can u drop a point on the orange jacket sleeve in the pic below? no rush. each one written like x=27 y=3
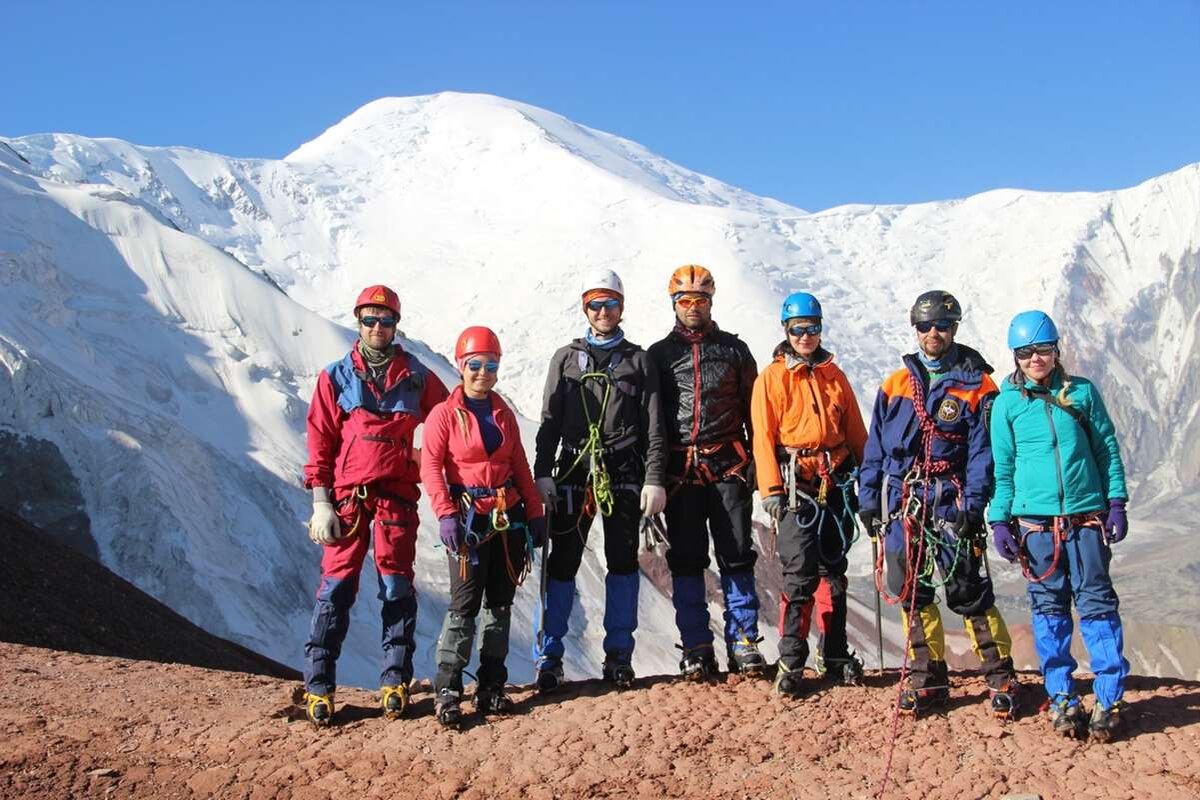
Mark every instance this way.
x=766 y=430
x=856 y=430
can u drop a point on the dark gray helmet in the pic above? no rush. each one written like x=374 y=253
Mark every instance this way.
x=935 y=305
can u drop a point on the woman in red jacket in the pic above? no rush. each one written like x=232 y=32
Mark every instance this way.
x=480 y=485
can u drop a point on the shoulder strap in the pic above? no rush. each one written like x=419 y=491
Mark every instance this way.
x=1077 y=415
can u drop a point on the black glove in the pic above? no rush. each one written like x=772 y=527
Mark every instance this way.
x=537 y=531
x=968 y=524
x=871 y=521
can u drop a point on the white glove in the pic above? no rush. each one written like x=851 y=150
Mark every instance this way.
x=654 y=500
x=324 y=527
x=548 y=491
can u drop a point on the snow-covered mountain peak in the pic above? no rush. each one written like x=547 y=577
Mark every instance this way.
x=480 y=133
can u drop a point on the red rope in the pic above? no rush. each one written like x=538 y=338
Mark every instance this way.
x=928 y=466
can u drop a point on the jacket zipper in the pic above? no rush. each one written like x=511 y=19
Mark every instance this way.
x=695 y=391
x=1057 y=461
x=816 y=402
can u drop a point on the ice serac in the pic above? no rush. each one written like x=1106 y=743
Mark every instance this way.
x=172 y=308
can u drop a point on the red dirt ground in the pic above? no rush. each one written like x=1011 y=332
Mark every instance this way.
x=86 y=720
x=92 y=726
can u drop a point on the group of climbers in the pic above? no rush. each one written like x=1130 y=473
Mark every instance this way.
x=689 y=429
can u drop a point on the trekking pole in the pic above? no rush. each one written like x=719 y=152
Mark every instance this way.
x=878 y=607
x=540 y=631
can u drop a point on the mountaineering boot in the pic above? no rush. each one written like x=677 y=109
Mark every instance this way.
x=319 y=709
x=489 y=691
x=1104 y=722
x=549 y=675
x=493 y=700
x=393 y=699
x=1067 y=717
x=617 y=670
x=1003 y=701
x=698 y=663
x=745 y=658
x=933 y=691
x=917 y=701
x=789 y=682
x=846 y=671
x=448 y=709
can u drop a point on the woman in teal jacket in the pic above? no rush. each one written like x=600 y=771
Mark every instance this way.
x=1058 y=503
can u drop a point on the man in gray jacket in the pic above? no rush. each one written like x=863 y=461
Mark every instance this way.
x=602 y=406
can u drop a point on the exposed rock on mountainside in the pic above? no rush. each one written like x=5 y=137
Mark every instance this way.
x=56 y=597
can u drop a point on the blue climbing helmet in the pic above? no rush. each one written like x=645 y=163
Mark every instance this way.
x=800 y=304
x=1031 y=327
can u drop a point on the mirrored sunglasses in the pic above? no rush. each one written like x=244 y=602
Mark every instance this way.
x=803 y=330
x=1025 y=353
x=606 y=302
x=372 y=321
x=694 y=301
x=942 y=325
x=476 y=364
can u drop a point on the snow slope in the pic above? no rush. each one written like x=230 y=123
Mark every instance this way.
x=186 y=273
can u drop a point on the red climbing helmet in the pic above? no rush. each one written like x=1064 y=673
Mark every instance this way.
x=378 y=295
x=476 y=339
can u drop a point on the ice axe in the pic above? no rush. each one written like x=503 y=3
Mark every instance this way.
x=875 y=580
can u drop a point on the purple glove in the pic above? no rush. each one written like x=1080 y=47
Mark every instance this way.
x=450 y=530
x=1116 y=524
x=537 y=531
x=1006 y=543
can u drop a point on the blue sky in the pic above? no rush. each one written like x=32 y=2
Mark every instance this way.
x=814 y=104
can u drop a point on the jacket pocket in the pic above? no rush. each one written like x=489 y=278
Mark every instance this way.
x=378 y=448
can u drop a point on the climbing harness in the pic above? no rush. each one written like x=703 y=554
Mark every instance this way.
x=356 y=498
x=498 y=523
x=359 y=498
x=600 y=495
x=697 y=469
x=812 y=510
x=1058 y=527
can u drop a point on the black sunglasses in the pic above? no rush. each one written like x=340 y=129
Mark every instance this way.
x=801 y=330
x=609 y=302
x=372 y=321
x=942 y=325
x=1025 y=353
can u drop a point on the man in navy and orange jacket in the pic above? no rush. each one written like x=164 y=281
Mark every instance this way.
x=925 y=480
x=363 y=473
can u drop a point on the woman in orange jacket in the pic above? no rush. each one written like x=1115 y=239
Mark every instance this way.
x=475 y=470
x=808 y=438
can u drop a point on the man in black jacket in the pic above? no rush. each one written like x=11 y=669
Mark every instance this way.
x=602 y=405
x=707 y=377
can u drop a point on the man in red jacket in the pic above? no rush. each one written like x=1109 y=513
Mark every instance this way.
x=363 y=474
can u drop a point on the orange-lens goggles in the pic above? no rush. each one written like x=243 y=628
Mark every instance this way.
x=694 y=300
